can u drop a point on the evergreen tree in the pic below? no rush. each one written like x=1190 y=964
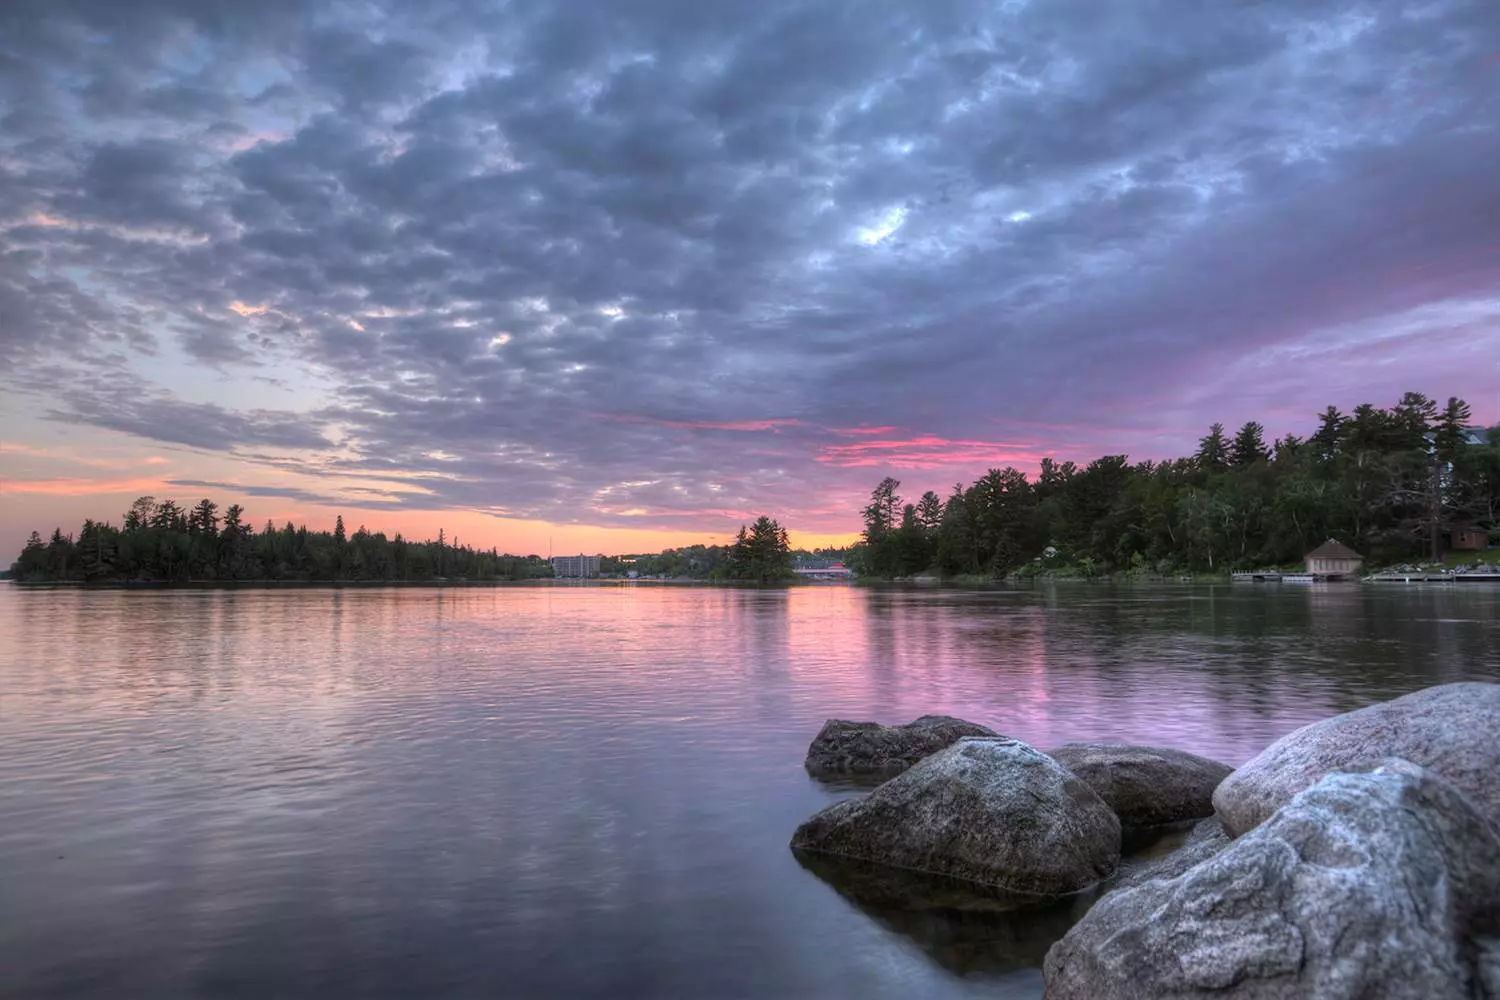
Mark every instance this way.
x=930 y=512
x=1249 y=446
x=1450 y=428
x=1329 y=434
x=761 y=554
x=880 y=526
x=1213 y=450
x=205 y=518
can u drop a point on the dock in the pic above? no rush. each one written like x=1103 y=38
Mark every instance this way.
x=1277 y=576
x=1429 y=577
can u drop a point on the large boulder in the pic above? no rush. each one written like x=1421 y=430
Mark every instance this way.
x=1450 y=729
x=868 y=748
x=1147 y=787
x=1378 y=886
x=989 y=810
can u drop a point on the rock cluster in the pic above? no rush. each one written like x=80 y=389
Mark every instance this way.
x=1365 y=866
x=1355 y=859
x=1363 y=887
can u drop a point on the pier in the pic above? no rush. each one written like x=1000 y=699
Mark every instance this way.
x=1430 y=577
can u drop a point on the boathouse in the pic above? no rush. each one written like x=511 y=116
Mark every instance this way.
x=1334 y=559
x=1469 y=539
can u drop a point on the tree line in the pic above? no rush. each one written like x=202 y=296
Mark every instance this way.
x=1393 y=483
x=161 y=542
x=760 y=553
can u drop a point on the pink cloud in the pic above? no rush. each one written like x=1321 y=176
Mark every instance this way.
x=927 y=452
x=81 y=487
x=770 y=424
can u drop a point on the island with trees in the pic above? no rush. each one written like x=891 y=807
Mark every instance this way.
x=760 y=553
x=161 y=542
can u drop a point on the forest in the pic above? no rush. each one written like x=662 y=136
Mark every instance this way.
x=1392 y=483
x=161 y=542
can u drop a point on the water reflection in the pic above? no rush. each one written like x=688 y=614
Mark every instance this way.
x=586 y=791
x=964 y=928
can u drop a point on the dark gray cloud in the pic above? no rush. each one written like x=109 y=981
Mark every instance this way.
x=109 y=396
x=349 y=497
x=663 y=262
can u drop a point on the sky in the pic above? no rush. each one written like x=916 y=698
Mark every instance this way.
x=611 y=276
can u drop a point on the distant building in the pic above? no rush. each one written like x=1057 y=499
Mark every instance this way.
x=1334 y=559
x=822 y=569
x=1470 y=539
x=575 y=567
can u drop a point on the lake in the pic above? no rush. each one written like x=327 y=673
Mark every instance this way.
x=581 y=791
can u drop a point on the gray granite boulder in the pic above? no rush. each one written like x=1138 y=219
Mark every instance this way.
x=1147 y=787
x=1450 y=729
x=853 y=748
x=992 y=811
x=1378 y=886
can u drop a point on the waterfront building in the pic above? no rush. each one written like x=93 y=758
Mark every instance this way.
x=579 y=567
x=1334 y=558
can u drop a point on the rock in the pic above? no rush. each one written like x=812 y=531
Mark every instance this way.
x=1147 y=787
x=1375 y=886
x=1487 y=959
x=989 y=810
x=1450 y=729
x=844 y=747
x=1205 y=841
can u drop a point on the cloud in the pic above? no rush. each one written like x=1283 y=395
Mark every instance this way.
x=349 y=497
x=113 y=400
x=682 y=262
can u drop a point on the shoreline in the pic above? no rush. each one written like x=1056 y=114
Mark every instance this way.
x=952 y=583
x=395 y=584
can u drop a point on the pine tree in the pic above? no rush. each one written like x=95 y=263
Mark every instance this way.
x=168 y=517
x=1213 y=450
x=1329 y=433
x=880 y=525
x=205 y=518
x=1448 y=435
x=930 y=512
x=1249 y=446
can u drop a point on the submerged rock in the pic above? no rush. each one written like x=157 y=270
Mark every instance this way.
x=1147 y=787
x=1207 y=839
x=1450 y=729
x=1376 y=886
x=993 y=811
x=844 y=748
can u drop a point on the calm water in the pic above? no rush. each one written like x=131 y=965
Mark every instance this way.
x=584 y=792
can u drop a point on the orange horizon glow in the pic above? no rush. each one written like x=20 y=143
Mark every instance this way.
x=41 y=505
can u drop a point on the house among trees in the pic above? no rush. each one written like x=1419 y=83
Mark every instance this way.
x=1470 y=538
x=1334 y=559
